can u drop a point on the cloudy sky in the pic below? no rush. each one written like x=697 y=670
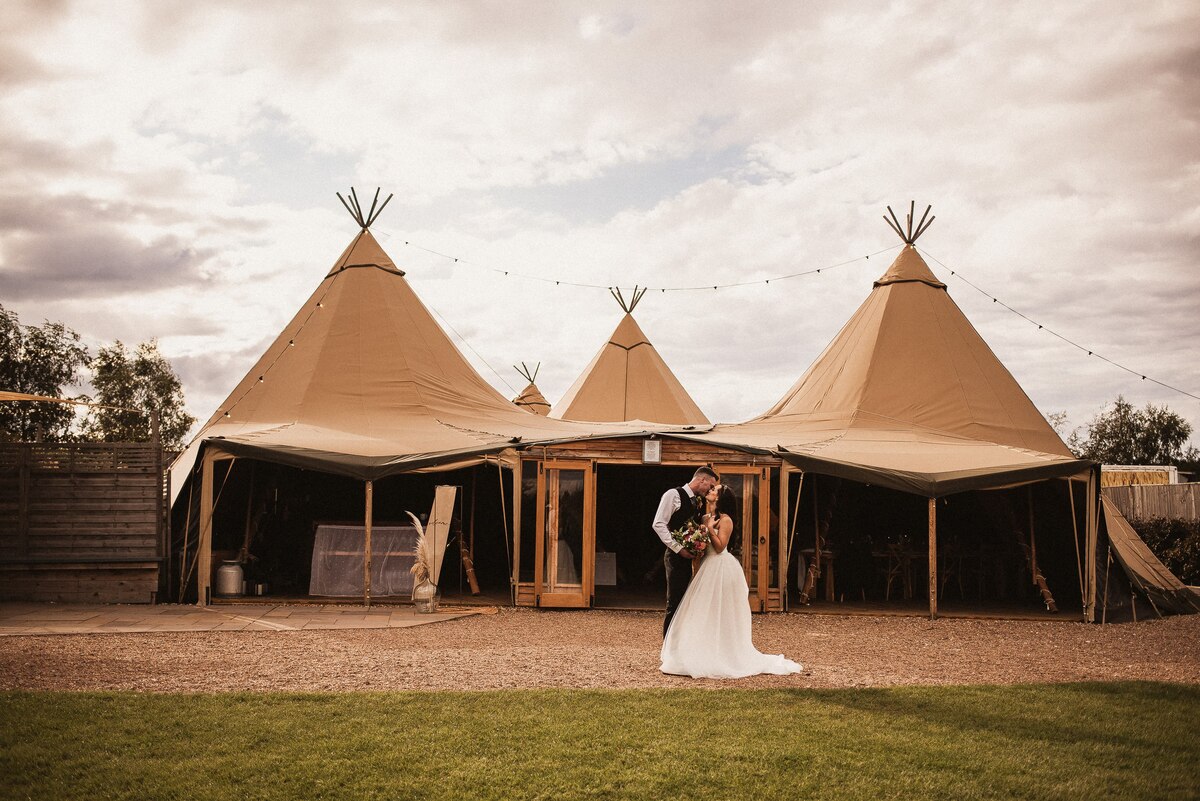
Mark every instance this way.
x=167 y=170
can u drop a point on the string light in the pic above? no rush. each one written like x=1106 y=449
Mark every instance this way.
x=1072 y=343
x=607 y=287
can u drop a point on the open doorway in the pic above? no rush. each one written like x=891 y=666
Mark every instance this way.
x=629 y=555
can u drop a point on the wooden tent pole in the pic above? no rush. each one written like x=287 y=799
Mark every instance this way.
x=187 y=527
x=933 y=559
x=367 y=549
x=514 y=556
x=204 y=546
x=1093 y=535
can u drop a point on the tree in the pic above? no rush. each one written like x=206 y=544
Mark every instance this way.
x=38 y=360
x=1125 y=435
x=138 y=383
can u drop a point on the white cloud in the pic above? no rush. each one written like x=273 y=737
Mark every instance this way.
x=669 y=144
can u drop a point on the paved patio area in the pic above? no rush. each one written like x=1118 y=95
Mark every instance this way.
x=39 y=619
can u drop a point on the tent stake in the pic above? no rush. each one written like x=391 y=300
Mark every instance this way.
x=933 y=612
x=367 y=550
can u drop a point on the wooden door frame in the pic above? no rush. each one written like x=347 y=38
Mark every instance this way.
x=760 y=590
x=571 y=600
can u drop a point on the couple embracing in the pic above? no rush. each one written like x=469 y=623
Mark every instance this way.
x=706 y=633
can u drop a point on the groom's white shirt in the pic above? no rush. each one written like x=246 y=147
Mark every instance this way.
x=668 y=506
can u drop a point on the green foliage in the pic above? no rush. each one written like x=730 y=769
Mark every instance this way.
x=1125 y=435
x=38 y=360
x=1121 y=740
x=139 y=383
x=1176 y=542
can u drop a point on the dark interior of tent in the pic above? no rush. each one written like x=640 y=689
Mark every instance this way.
x=275 y=511
x=875 y=538
x=878 y=544
x=627 y=497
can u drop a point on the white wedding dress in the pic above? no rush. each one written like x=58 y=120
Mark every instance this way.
x=709 y=636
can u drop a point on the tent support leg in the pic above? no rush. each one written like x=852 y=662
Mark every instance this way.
x=204 y=546
x=1092 y=533
x=367 y=545
x=933 y=611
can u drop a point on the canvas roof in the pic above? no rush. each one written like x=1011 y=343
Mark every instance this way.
x=363 y=382
x=628 y=380
x=908 y=395
x=1146 y=573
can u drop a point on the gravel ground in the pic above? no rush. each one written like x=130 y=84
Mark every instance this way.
x=519 y=648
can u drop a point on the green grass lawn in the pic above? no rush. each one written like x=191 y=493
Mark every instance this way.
x=1125 y=740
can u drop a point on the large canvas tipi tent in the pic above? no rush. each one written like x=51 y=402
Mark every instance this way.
x=908 y=396
x=629 y=380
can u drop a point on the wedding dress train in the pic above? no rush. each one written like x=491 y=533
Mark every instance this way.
x=709 y=636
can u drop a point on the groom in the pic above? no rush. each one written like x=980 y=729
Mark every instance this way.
x=677 y=507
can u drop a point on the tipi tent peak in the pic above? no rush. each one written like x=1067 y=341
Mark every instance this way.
x=628 y=305
x=355 y=208
x=531 y=398
x=906 y=232
x=628 y=380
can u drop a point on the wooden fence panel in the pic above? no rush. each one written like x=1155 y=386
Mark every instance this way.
x=1179 y=501
x=81 y=521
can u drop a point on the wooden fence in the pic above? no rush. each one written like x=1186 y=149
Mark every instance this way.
x=1180 y=501
x=81 y=521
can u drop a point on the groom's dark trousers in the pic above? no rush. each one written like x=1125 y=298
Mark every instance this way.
x=679 y=576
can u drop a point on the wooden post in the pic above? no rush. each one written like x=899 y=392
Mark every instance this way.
x=204 y=546
x=514 y=557
x=1092 y=534
x=933 y=559
x=367 y=546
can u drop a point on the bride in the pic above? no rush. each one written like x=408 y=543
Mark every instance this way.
x=709 y=636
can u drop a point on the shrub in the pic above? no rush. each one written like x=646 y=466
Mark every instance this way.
x=1176 y=542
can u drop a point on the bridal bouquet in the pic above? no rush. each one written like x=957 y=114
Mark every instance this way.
x=693 y=537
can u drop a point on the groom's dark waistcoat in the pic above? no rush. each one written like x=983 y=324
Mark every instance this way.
x=687 y=511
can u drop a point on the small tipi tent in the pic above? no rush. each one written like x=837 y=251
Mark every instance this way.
x=628 y=380
x=531 y=398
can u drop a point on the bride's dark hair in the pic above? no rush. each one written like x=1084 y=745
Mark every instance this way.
x=727 y=503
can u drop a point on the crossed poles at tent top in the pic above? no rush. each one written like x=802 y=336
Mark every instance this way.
x=356 y=212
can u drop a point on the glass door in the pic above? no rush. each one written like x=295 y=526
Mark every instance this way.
x=566 y=536
x=749 y=486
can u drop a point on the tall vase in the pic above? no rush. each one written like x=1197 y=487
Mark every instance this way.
x=425 y=597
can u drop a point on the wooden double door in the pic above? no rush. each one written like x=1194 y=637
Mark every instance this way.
x=565 y=534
